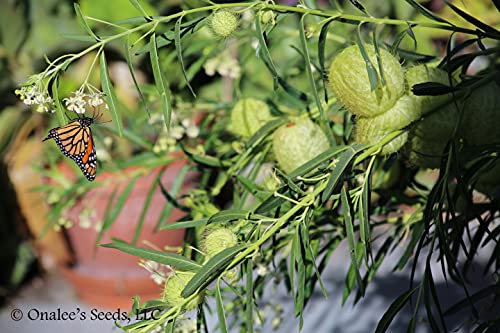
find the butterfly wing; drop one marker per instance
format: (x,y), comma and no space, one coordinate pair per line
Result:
(88,161)
(75,141)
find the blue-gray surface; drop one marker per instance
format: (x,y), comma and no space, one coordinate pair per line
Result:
(321,315)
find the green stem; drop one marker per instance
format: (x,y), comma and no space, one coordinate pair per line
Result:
(280,8)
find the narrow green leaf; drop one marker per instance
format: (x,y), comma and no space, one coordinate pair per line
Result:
(170,326)
(205,159)
(134,21)
(161,84)
(350,282)
(229,215)
(145,208)
(416,235)
(137,6)
(109,95)
(263,132)
(161,41)
(429,292)
(393,310)
(364,219)
(81,38)
(209,271)
(184,224)
(221,314)
(370,69)
(132,73)
(83,22)
(346,209)
(321,46)
(497,4)
(432,89)
(304,230)
(164,258)
(359,6)
(379,59)
(57,102)
(176,186)
(427,13)
(291,272)
(272,201)
(474,298)
(472,20)
(301,277)
(321,55)
(263,52)
(307,59)
(178,48)
(340,166)
(249,297)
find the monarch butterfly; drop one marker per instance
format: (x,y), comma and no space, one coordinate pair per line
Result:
(75,141)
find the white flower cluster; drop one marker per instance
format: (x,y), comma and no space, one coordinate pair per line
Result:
(78,102)
(35,95)
(167,140)
(224,64)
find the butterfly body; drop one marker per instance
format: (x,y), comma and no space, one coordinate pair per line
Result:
(75,141)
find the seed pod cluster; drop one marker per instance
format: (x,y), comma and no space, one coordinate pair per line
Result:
(389,107)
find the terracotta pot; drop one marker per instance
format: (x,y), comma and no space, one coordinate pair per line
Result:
(108,278)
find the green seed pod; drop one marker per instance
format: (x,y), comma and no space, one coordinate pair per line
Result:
(429,136)
(217,239)
(173,288)
(372,130)
(223,23)
(368,134)
(350,83)
(298,142)
(481,121)
(423,73)
(247,116)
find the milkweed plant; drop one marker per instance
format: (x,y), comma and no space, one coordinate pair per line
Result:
(323,123)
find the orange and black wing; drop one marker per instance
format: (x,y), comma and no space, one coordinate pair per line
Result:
(75,141)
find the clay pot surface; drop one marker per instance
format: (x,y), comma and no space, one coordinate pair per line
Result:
(109,278)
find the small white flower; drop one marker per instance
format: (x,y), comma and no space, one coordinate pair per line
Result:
(177,132)
(108,141)
(262,270)
(29,95)
(95,99)
(192,131)
(76,103)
